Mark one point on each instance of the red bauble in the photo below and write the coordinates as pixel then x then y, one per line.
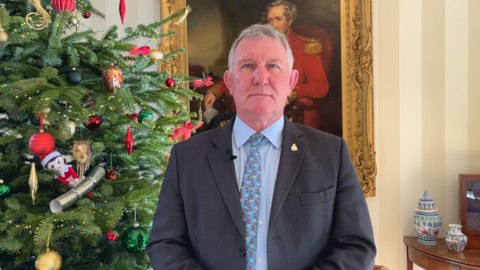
pixel 111 174
pixel 170 82
pixel 129 141
pixel 134 116
pixel 86 14
pixel 41 143
pixel 92 196
pixel 94 122
pixel 59 5
pixel 112 78
pixel 111 236
pixel 122 8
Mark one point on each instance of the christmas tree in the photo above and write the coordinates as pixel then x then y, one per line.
pixel 104 110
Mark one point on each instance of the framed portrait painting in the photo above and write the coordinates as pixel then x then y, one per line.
pixel 331 41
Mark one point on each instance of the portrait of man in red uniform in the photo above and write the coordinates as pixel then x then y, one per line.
pixel 312 83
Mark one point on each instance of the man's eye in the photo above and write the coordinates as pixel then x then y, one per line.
pixel 58 162
pixel 248 66
pixel 272 66
pixel 53 166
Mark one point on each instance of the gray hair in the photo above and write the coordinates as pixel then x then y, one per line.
pixel 258 31
pixel 289 9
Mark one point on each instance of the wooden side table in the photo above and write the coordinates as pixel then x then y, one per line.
pixel 438 257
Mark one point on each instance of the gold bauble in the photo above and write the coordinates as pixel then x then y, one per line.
pixel 68 130
pixel 3 36
pixel 46 122
pixel 155 55
pixel 49 260
pixel 73 20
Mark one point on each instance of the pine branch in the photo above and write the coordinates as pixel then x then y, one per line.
pixel 51 58
pixel 12 203
pixel 58 27
pixel 73 98
pixel 90 55
pixel 10 245
pixel 142 64
pixel 170 18
pixel 76 36
pixel 29 70
pixel 23 84
pixel 40 101
pixel 73 56
pixel 85 5
pixel 3 50
pixel 171 55
pixel 120 46
pixel 165 35
pixel 48 73
pixel 23 52
pixel 111 33
pixel 7 139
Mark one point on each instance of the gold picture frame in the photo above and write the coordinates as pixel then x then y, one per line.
pixel 357 79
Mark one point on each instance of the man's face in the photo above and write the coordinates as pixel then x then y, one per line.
pixel 277 19
pixel 260 79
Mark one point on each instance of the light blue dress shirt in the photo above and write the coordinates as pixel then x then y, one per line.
pixel 270 149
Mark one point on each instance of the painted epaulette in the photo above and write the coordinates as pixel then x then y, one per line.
pixel 224 123
pixel 312 45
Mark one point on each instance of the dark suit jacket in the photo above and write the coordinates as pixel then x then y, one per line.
pixel 319 218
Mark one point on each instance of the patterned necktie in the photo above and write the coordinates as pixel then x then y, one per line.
pixel 250 199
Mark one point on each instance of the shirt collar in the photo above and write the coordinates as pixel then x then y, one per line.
pixel 242 132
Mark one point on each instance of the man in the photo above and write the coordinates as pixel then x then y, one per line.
pixel 261 192
pixel 312 80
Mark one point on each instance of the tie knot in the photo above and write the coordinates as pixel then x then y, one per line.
pixel 257 139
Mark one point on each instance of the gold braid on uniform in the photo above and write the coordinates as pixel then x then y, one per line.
pixel 214 90
pixel 224 123
pixel 312 45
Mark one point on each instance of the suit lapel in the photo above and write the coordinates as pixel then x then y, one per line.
pixel 290 162
pixel 224 174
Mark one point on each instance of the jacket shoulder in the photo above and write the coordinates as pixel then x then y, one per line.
pixel 197 144
pixel 319 136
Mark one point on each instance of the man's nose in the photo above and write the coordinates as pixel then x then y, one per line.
pixel 260 76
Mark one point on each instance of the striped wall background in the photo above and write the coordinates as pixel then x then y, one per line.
pixel 427 114
pixel 427 65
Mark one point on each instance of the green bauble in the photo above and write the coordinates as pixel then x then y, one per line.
pixel 135 239
pixel 144 115
pixel 4 189
pixel 74 77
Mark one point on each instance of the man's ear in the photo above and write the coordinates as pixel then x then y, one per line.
pixel 289 22
pixel 226 79
pixel 293 79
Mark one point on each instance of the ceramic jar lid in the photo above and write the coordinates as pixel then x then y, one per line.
pixel 426 204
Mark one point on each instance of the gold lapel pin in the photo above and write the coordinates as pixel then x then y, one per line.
pixel 294 148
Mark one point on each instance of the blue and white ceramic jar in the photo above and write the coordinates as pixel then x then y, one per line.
pixel 455 239
pixel 427 221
